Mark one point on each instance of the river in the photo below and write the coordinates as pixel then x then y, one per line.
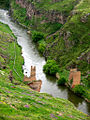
pixel 32 57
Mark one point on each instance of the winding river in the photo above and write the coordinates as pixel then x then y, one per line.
pixel 32 57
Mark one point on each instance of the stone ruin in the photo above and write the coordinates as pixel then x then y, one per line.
pixel 32 76
pixel 75 76
pixel 33 83
pixel 36 85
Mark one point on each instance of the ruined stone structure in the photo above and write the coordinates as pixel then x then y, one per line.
pixel 75 76
pixel 33 83
pixel 32 76
pixel 36 85
pixel 33 73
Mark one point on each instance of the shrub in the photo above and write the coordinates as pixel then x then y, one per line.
pixel 37 36
pixel 79 90
pixel 42 47
pixel 51 67
pixel 5 3
pixel 61 81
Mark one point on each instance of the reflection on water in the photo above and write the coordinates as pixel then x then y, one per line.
pixel 74 99
pixel 32 57
pixel 51 78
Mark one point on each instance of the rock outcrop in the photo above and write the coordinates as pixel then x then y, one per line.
pixel 52 15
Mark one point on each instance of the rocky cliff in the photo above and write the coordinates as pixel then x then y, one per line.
pixel 50 15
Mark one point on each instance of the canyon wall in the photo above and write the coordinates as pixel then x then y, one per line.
pixel 50 15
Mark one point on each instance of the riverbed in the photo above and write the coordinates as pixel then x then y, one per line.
pixel 32 58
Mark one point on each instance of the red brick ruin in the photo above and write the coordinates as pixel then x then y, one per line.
pixel 75 76
pixel 34 84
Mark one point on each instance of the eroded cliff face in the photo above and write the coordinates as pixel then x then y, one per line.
pixel 50 16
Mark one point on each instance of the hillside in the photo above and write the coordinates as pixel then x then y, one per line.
pixel 71 44
pixel 18 101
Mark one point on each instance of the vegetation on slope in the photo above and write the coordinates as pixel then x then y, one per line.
pixel 10 59
pixel 35 23
pixel 19 102
pixel 64 6
pixel 74 40
pixel 4 4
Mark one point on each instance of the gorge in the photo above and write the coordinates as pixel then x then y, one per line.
pixel 65 26
pixel 32 57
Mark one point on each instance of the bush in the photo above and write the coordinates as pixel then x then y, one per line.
pixel 37 36
pixel 61 81
pixel 42 47
pixel 79 90
pixel 5 3
pixel 51 67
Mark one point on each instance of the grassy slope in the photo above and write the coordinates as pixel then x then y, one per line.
pixel 19 102
pixel 68 47
pixel 61 5
pixel 19 14
pixel 10 52
pixel 37 23
pixel 64 6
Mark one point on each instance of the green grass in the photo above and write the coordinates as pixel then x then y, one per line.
pixel 74 40
pixel 64 6
pixel 19 14
pixel 5 28
pixel 10 52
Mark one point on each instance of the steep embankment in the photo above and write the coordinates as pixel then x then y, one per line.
pixel 71 44
pixel 41 15
pixel 18 101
